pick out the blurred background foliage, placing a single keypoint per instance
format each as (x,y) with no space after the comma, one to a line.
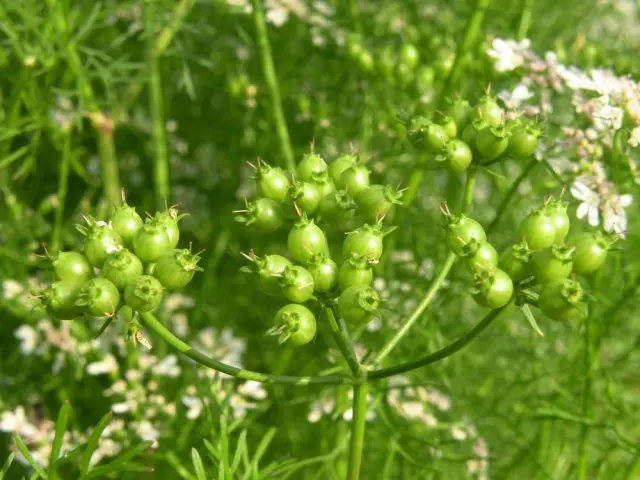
(63,62)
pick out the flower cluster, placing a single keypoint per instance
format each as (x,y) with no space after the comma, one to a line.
(608,107)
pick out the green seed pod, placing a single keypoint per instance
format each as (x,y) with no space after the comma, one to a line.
(99,297)
(144,294)
(126,222)
(176,269)
(121,268)
(59,300)
(72,267)
(100,241)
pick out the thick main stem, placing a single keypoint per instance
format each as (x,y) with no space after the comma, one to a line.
(358,424)
(174,342)
(343,343)
(273,87)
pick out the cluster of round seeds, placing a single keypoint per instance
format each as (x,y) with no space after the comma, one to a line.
(493,287)
(125,261)
(548,256)
(543,257)
(317,199)
(462,135)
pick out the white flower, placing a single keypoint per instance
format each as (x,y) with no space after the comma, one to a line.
(180,324)
(11,289)
(28,339)
(613,214)
(374,325)
(178,300)
(634,138)
(16,422)
(276,14)
(253,390)
(194,406)
(319,408)
(508,54)
(106,448)
(107,365)
(167,367)
(146,431)
(121,407)
(480,448)
(458,433)
(119,386)
(412,409)
(575,78)
(590,203)
(605,115)
(520,94)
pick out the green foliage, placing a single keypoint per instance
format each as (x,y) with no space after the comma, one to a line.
(212,106)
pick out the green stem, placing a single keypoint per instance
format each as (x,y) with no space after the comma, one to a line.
(162,42)
(110,174)
(415,315)
(271,80)
(583,460)
(467,200)
(525,19)
(358,424)
(543,448)
(343,343)
(102,124)
(161,157)
(471,33)
(469,189)
(63,182)
(514,188)
(440,354)
(153,324)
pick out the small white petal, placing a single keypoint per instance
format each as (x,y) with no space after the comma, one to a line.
(582,211)
(593,217)
(580,191)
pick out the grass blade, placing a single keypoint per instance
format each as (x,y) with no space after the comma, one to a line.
(92,443)
(28,458)
(262,448)
(120,464)
(241,450)
(7,466)
(56,447)
(197,465)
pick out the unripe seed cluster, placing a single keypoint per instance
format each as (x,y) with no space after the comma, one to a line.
(464,135)
(544,256)
(492,286)
(125,261)
(317,200)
